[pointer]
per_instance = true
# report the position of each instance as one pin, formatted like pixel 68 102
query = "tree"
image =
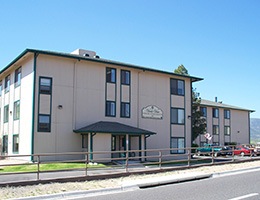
pixel 198 122
pixel 181 70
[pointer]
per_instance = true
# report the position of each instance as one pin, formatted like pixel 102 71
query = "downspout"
pixel 33 103
pixel 249 131
pixel 191 120
pixel 147 136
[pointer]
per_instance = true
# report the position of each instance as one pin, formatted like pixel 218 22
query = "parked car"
pixel 239 150
pixel 208 148
pixel 225 151
pixel 255 149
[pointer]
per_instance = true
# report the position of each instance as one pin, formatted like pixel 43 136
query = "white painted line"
pixel 245 196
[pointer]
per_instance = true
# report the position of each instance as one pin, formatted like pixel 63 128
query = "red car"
pixel 242 151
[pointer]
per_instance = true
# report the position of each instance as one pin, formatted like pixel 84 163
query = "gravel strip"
pixel 53 188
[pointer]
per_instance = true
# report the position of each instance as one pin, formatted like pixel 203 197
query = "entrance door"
pixel 118 143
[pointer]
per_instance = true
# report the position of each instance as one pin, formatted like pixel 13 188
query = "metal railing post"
pixel 86 163
pixel 160 159
pixel 126 161
pixel 189 156
pixel 38 167
pixel 212 155
pixel 233 154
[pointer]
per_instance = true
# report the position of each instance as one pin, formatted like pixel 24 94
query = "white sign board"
pixel 152 112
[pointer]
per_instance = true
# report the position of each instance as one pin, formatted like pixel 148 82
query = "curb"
pixel 233 172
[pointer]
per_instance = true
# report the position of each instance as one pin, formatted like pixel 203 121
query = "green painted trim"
pixel 123 70
pixel 5 121
pixel 129 110
pixel 171 151
pixel 3 143
pixel 15 74
pixel 6 91
pixel 225 132
pixel 43 93
pixel 116 133
pixel 33 103
pixel 1 87
pixel 15 152
pixel 213 112
pixel 16 110
pixel 177 86
pixel 98 60
pixel 226 110
pixel 214 125
pixel 184 123
pixel 106 92
pixel 249 126
pixel 106 109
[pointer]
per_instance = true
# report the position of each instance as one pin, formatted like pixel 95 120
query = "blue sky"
pixel 216 40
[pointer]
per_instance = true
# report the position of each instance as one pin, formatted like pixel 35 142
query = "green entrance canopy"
pixel 113 128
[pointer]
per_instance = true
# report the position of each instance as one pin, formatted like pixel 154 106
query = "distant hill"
pixel 255 129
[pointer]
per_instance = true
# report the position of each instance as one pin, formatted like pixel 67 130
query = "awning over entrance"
pixel 113 128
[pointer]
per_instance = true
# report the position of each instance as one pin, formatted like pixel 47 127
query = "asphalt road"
pixel 232 187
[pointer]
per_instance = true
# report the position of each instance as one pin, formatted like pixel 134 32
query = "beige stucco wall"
pixel 79 86
pixel 238 122
pixel 24 93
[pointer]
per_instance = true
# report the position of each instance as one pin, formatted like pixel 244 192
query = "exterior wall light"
pixel 189 117
pixel 60 107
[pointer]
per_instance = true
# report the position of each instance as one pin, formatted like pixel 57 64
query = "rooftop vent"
pixel 83 52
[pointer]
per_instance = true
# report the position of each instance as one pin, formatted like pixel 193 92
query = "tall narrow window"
pixel 17 78
pixel 110 108
pixel 7 83
pixel 215 112
pixel 44 123
pixel 177 116
pixel 5 144
pixel 177 144
pixel 16 110
pixel 227 114
pixel 177 87
pixel 125 77
pixel 204 110
pixel 45 85
pixel 227 130
pixel 111 75
pixel 15 143
pixel 215 130
pixel 125 110
pixel 1 88
pixel 6 113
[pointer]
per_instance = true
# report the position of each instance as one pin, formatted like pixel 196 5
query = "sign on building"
pixel 152 112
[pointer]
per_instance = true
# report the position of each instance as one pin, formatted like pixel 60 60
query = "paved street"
pixel 232 187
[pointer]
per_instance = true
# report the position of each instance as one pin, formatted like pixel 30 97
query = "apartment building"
pixel 75 102
pixel 225 123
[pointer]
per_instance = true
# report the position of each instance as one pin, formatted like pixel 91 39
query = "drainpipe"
pixel 91 144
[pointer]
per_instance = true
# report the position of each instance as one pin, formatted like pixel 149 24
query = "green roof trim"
pixel 208 103
pixel 99 60
pixel 113 128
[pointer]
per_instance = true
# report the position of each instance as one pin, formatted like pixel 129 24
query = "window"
pixel 125 77
pixel 204 110
pixel 177 87
pixel 85 141
pixel 17 78
pixel 177 116
pixel 215 112
pixel 16 110
pixel 227 130
pixel 15 143
pixel 227 114
pixel 5 144
pixel 44 123
pixel 45 85
pixel 216 143
pixel 125 109
pixel 6 113
pixel 0 88
pixel 7 83
pixel 215 130
pixel 111 75
pixel 177 143
pixel 111 108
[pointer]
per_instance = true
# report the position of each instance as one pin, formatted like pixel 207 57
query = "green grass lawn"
pixel 45 167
